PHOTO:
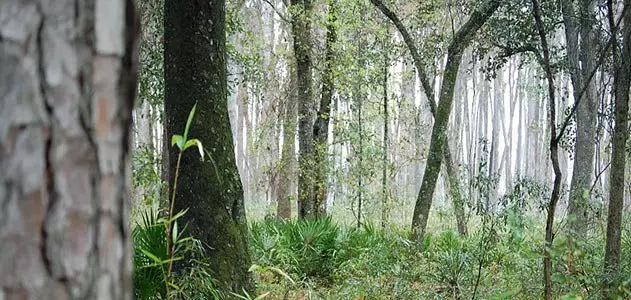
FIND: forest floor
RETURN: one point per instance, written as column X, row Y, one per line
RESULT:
column 501, row 259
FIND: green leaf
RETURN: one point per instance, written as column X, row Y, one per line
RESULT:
column 262, row 296
column 152, row 256
column 178, row 215
column 178, row 140
column 175, row 232
column 196, row 142
column 188, row 122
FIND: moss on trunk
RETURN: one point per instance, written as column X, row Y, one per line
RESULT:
column 195, row 72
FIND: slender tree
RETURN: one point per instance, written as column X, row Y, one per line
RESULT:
column 452, row 175
column 554, row 152
column 195, row 72
column 321, row 125
column 621, row 84
column 67, row 88
column 455, row 50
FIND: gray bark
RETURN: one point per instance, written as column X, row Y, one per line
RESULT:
column 581, row 38
column 67, row 86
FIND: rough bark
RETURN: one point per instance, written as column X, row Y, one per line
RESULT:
column 581, row 59
column 452, row 174
column 321, row 125
column 196, row 72
column 438, row 139
column 301, row 32
column 67, row 87
column 622, row 78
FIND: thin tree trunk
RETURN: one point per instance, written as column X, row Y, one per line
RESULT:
column 554, row 156
column 384, row 175
column 288, row 159
column 321, row 126
column 429, row 92
column 437, row 144
column 622, row 78
column 65, row 149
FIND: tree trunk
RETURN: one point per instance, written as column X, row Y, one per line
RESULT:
column 67, row 87
column 454, row 183
column 437, row 144
column 195, row 72
column 384, row 175
column 622, row 77
column 581, row 59
column 288, row 154
column 321, row 126
column 301, row 31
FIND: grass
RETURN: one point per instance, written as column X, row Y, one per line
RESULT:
column 501, row 259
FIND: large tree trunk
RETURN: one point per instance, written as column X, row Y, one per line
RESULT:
column 195, row 72
column 67, row 86
column 301, row 31
column 438, row 138
column 581, row 58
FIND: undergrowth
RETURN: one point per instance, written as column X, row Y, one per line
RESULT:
column 319, row 259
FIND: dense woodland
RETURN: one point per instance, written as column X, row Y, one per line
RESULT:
column 315, row 149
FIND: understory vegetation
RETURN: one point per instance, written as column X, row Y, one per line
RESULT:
column 321, row 259
column 500, row 260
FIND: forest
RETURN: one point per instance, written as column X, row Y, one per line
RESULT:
column 315, row 149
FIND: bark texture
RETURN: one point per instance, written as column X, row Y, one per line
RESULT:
column 455, row 50
column 67, row 86
column 581, row 38
column 196, row 72
column 301, row 32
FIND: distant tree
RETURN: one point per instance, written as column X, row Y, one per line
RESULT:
column 456, row 48
column 67, row 88
column 454, row 184
column 321, row 125
column 195, row 72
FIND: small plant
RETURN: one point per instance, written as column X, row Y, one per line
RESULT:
column 160, row 241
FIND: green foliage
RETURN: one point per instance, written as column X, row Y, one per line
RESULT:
column 502, row 258
column 305, row 248
column 151, row 262
column 149, row 241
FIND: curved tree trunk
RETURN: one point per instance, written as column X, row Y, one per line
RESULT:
column 438, row 138
column 195, row 72
column 67, row 87
column 452, row 174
